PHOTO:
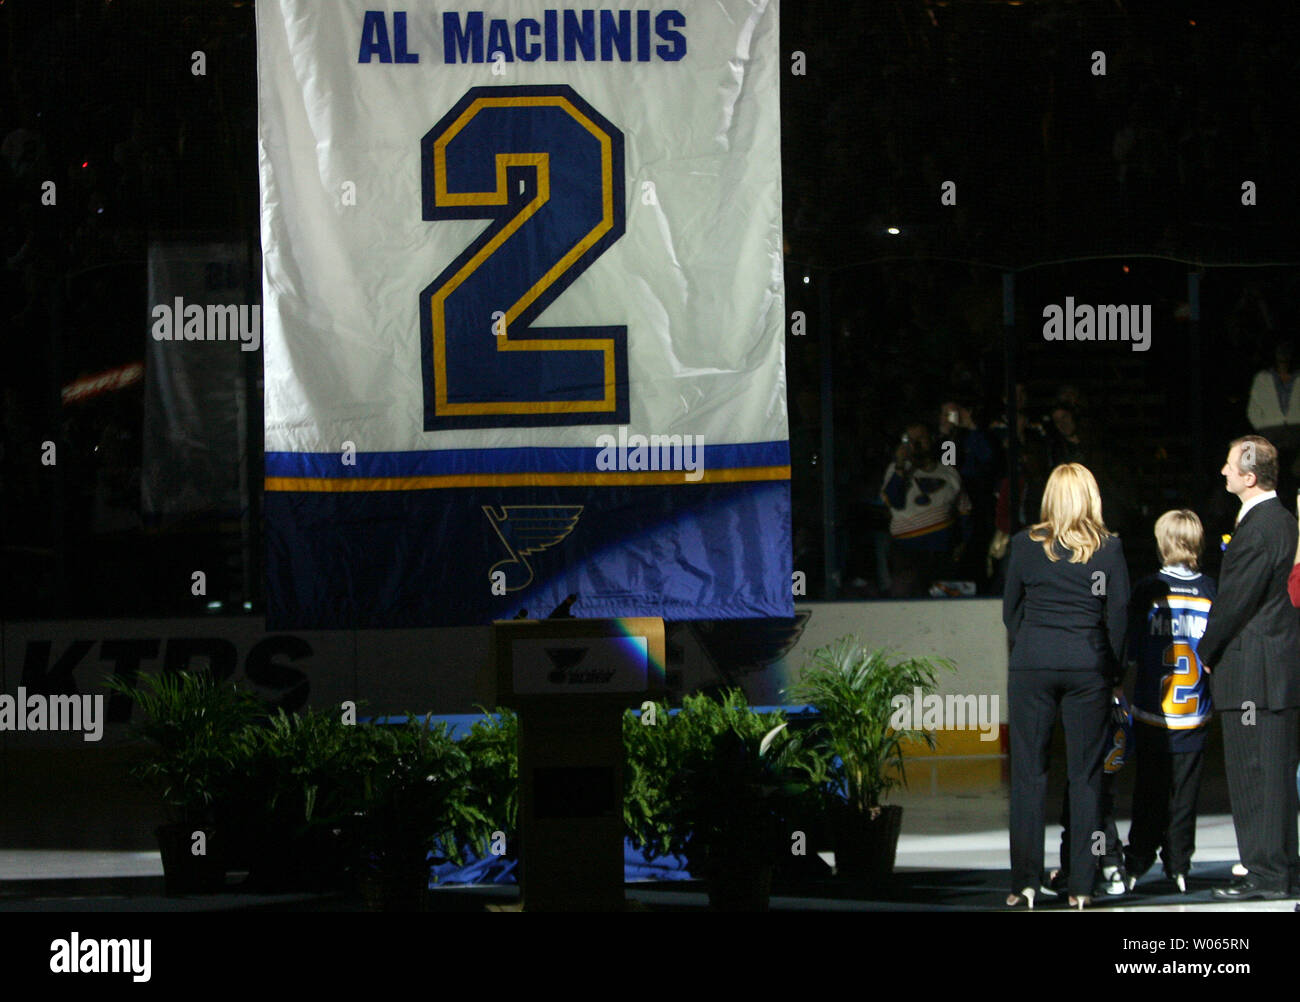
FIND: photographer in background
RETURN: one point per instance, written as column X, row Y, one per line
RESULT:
column 975, row 460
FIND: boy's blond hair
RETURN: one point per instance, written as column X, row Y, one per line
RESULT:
column 1180, row 536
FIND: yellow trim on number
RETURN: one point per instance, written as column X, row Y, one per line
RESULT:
column 437, row 301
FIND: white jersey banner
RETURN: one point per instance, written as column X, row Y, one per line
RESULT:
column 524, row 311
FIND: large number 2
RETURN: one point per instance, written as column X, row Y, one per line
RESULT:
column 547, row 169
column 1181, row 681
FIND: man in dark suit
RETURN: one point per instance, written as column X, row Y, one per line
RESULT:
column 1251, row 648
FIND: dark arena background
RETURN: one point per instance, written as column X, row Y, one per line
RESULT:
column 961, row 184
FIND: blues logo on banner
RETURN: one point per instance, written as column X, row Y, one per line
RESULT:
column 524, row 312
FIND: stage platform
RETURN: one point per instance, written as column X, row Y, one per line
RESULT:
column 935, row 872
column 952, row 856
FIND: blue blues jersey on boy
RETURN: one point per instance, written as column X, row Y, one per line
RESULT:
column 1167, row 616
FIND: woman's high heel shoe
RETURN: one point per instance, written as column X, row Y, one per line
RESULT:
column 1013, row 900
column 1080, row 902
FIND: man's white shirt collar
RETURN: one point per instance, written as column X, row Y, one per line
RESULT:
column 1252, row 502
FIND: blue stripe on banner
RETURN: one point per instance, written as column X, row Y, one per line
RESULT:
column 442, row 462
column 430, row 557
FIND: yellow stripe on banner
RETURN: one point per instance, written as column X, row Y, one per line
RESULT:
column 335, row 484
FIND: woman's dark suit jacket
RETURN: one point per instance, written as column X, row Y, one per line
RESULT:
column 1066, row 616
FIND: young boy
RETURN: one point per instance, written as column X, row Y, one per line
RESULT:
column 1171, row 702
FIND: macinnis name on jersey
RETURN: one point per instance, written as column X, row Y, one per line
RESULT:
column 568, row 36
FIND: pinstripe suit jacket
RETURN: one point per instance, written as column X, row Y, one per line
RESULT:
column 1252, row 639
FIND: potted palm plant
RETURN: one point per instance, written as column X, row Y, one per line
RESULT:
column 192, row 757
column 492, row 746
column 418, row 804
column 302, row 799
column 720, row 785
column 854, row 690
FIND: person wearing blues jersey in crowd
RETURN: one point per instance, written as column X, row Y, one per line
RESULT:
column 1171, row 701
column 928, row 514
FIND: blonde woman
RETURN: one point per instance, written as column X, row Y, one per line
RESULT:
column 1065, row 607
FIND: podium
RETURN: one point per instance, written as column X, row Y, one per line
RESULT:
column 571, row 680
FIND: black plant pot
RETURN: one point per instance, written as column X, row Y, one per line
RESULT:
column 866, row 844
column 394, row 885
column 737, row 876
column 183, row 871
column 243, row 829
column 742, row 886
column 314, row 861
